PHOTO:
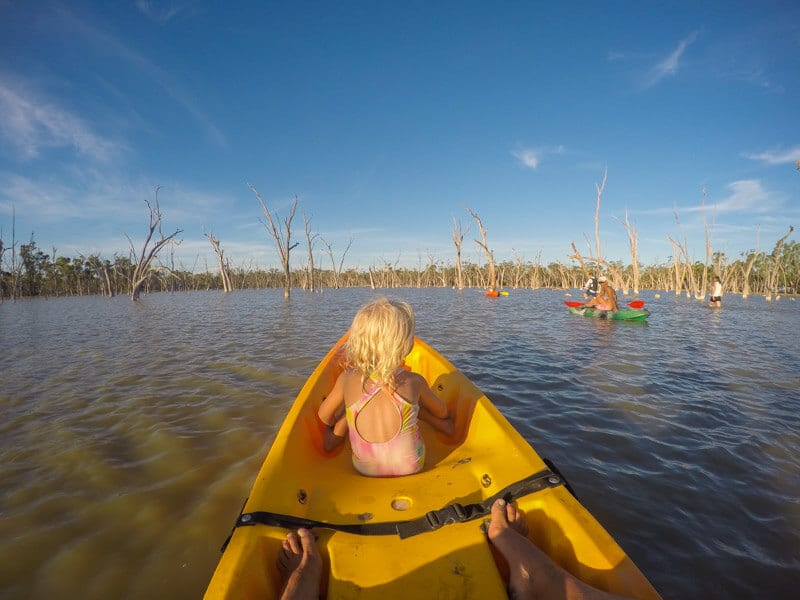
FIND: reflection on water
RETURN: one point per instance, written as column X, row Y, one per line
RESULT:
column 131, row 433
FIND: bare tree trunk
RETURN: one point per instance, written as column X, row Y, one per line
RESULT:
column 310, row 243
column 633, row 242
column 337, row 269
column 692, row 292
column 677, row 263
column 283, row 239
column 775, row 264
column 458, row 240
column 709, row 252
column 599, row 189
column 485, row 246
column 15, row 269
column 227, row 286
column 144, row 265
column 3, row 250
column 577, row 256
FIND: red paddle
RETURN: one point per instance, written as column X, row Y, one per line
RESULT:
column 632, row 304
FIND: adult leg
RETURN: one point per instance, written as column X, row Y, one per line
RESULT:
column 533, row 574
column 300, row 566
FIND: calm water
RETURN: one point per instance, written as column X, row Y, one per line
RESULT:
column 131, row 433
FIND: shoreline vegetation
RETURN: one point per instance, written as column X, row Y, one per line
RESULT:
column 26, row 271
column 94, row 276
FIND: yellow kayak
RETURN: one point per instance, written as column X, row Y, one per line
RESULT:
column 418, row 536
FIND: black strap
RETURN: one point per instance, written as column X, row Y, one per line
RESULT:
column 452, row 513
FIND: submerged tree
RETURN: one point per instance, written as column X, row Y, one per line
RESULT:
column 633, row 243
column 482, row 243
column 144, row 268
column 336, row 269
column 224, row 271
column 775, row 265
column 283, row 238
column 458, row 240
column 691, row 284
column 310, row 238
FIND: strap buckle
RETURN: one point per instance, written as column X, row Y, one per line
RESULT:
column 452, row 513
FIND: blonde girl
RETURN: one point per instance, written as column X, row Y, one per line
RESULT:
column 382, row 402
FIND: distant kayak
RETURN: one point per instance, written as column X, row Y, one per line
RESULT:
column 623, row 314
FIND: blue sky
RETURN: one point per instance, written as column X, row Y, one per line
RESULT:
column 386, row 118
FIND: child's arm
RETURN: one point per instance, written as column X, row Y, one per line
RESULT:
column 334, row 435
column 331, row 415
column 433, row 410
column 445, row 425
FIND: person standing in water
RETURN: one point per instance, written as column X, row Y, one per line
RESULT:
column 716, row 294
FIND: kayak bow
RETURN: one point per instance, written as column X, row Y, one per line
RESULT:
column 417, row 536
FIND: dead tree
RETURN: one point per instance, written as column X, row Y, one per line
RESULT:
column 144, row 268
column 483, row 244
column 709, row 252
column 577, row 256
column 337, row 268
column 2, row 251
column 310, row 243
column 633, row 242
column 458, row 240
column 599, row 189
column 224, row 271
column 749, row 267
column 677, row 264
column 283, row 238
column 692, row 291
column 101, row 269
column 775, row 264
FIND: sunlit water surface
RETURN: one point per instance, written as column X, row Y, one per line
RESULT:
column 131, row 432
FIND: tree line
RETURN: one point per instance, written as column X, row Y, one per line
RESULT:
column 26, row 270
column 38, row 273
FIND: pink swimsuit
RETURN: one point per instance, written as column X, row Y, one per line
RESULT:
column 404, row 454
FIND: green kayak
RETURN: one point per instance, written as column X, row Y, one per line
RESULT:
column 623, row 314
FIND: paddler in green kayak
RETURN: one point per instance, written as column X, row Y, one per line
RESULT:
column 606, row 299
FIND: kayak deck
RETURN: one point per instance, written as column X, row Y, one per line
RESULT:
column 455, row 561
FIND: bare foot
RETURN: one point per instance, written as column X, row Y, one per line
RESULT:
column 531, row 573
column 513, row 519
column 506, row 532
column 300, row 566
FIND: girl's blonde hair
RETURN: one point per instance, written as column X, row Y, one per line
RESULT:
column 381, row 336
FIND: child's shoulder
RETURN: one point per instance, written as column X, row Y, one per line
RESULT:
column 349, row 375
column 410, row 377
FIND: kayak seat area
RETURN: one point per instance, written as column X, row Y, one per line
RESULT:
column 484, row 457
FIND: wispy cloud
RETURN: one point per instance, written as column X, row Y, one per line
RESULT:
column 108, row 44
column 668, row 67
column 157, row 11
column 32, row 123
column 776, row 157
column 746, row 196
column 531, row 157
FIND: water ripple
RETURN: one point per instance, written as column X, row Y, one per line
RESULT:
column 131, row 433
